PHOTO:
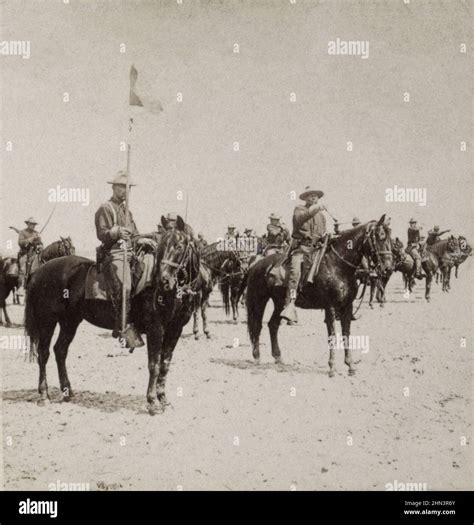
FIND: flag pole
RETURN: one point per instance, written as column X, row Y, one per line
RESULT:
column 125, row 262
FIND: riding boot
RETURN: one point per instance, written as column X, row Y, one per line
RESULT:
column 130, row 335
column 289, row 311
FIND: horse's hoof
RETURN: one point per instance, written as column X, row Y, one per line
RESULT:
column 371, row 306
column 236, row 321
column 154, row 409
column 352, row 371
column 332, row 373
column 43, row 402
column 279, row 361
column 256, row 360
column 208, row 335
column 196, row 337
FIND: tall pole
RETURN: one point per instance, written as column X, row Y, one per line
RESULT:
column 125, row 251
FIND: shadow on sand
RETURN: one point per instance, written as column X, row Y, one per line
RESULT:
column 104, row 401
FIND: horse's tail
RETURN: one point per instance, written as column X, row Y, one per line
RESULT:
column 32, row 328
column 225, row 292
column 255, row 302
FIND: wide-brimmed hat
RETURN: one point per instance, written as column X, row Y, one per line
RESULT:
column 121, row 178
column 310, row 191
column 231, row 226
column 31, row 220
column 274, row 216
column 248, row 230
column 412, row 220
column 172, row 216
column 356, row 220
column 436, row 228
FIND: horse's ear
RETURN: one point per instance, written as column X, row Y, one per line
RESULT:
column 69, row 238
column 381, row 220
column 180, row 223
column 62, row 238
column 164, row 222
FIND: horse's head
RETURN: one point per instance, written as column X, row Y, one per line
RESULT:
column 177, row 257
column 377, row 246
column 66, row 246
column 453, row 245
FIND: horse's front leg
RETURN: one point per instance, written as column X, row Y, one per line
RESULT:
column 205, row 328
column 429, row 277
column 372, row 290
column 330, row 320
column 169, row 343
column 234, row 298
column 346, row 332
column 197, row 301
column 154, row 338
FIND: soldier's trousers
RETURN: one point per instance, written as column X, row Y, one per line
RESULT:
column 114, row 277
column 22, row 267
column 417, row 258
column 296, row 262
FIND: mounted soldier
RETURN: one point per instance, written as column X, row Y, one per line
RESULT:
column 309, row 227
column 356, row 222
column 29, row 241
column 413, row 246
column 116, row 231
column 277, row 237
column 434, row 235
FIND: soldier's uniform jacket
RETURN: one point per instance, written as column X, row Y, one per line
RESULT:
column 27, row 238
column 276, row 234
column 433, row 237
column 307, row 228
column 110, row 214
column 413, row 235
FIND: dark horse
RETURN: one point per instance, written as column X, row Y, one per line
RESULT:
column 440, row 255
column 228, row 268
column 38, row 256
column 378, row 283
column 334, row 290
column 57, row 295
column 8, row 283
column 404, row 264
column 466, row 251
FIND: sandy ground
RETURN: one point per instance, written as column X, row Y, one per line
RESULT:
column 237, row 426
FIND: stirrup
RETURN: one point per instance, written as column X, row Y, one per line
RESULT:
column 132, row 337
column 289, row 313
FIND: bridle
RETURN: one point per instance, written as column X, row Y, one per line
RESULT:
column 374, row 253
column 184, row 266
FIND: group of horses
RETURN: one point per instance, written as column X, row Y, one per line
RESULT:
column 184, row 276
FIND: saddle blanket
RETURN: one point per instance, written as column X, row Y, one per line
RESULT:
column 96, row 287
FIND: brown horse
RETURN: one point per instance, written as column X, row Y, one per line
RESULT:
column 8, row 283
column 466, row 251
column 404, row 264
column 205, row 286
column 378, row 283
column 440, row 255
column 159, row 311
column 334, row 289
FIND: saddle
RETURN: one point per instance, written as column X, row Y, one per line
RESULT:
column 279, row 271
column 142, row 275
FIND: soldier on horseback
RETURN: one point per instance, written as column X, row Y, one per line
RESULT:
column 114, row 229
column 29, row 241
column 413, row 246
column 434, row 235
column 309, row 226
column 277, row 236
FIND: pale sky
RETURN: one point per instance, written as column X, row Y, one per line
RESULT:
column 237, row 97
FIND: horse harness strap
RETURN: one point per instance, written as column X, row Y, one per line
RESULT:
column 342, row 258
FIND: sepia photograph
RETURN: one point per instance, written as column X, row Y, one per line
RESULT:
column 236, row 253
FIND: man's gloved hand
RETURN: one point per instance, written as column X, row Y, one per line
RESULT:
column 144, row 241
column 124, row 233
